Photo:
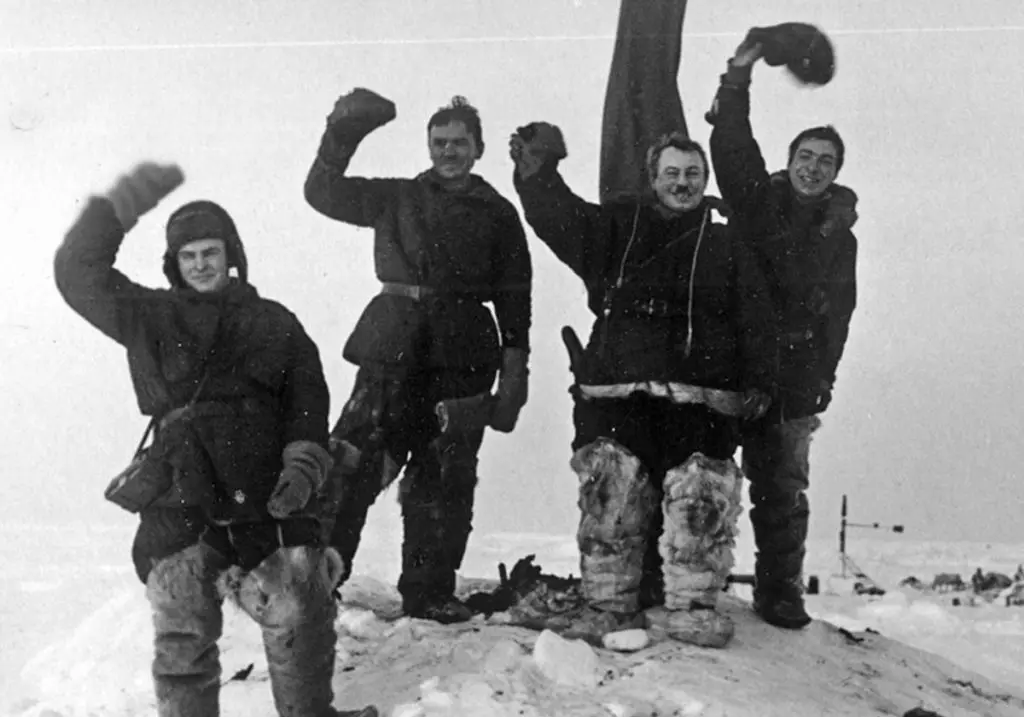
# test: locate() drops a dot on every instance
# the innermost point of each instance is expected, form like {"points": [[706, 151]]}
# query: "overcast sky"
{"points": [[924, 428]]}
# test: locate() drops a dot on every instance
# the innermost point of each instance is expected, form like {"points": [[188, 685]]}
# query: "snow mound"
{"points": [[412, 668]]}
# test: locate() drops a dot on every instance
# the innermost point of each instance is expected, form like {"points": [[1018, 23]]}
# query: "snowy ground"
{"points": [[76, 641]]}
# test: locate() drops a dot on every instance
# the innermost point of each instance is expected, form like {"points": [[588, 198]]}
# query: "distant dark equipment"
{"points": [[865, 585]]}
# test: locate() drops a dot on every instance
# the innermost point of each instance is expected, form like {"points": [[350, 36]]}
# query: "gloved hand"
{"points": [[536, 146], [305, 470], [141, 189], [361, 111], [513, 389], [749, 51], [804, 49]]}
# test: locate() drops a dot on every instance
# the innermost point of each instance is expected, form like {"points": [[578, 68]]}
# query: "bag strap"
{"points": [[154, 421], [149, 429], [199, 388]]}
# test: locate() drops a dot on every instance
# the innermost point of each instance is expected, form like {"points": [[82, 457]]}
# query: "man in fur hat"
{"points": [[445, 244], [237, 393]]}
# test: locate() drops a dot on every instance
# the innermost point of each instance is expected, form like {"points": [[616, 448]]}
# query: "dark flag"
{"points": [[642, 99]]}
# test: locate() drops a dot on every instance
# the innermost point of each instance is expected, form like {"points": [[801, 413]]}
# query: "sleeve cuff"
{"points": [[736, 76]]}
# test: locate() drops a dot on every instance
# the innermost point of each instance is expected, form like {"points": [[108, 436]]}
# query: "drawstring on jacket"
{"points": [[688, 348], [693, 273]]}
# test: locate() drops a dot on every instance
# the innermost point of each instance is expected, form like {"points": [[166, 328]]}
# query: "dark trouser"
{"points": [[662, 435], [776, 461], [391, 420]]}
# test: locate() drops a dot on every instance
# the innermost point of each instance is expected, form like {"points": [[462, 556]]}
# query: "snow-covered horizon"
{"points": [[76, 627]]}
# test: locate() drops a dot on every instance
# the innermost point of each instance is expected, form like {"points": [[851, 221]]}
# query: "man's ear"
{"points": [[479, 150]]}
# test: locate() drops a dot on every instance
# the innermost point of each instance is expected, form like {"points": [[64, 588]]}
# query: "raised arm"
{"points": [[353, 200], [559, 218], [735, 154], [84, 263]]}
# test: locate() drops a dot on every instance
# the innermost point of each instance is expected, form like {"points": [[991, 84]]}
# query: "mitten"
{"points": [[305, 470], [536, 146], [513, 389], [140, 190], [360, 112]]}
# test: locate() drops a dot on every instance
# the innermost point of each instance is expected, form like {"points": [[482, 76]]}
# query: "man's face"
{"points": [[204, 264], [813, 167], [681, 179], [453, 151]]}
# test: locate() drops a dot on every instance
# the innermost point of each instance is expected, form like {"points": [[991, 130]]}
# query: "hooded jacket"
{"points": [[811, 271], [265, 387], [675, 300], [463, 248]]}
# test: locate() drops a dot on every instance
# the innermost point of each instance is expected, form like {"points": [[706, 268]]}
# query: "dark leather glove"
{"points": [[360, 112], [305, 470], [141, 189], [513, 390], [536, 146]]}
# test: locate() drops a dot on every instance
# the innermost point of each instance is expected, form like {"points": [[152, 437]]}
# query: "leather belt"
{"points": [[415, 292]]}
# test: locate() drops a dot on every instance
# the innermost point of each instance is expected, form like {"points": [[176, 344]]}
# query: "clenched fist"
{"points": [[534, 146], [362, 109]]}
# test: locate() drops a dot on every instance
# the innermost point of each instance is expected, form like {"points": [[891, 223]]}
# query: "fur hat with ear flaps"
{"points": [[202, 220]]}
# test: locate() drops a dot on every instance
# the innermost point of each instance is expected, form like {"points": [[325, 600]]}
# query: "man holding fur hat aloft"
{"points": [[228, 492], [797, 222], [445, 244]]}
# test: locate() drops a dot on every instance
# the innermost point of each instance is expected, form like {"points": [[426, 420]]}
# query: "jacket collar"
{"points": [[236, 292], [478, 187]]}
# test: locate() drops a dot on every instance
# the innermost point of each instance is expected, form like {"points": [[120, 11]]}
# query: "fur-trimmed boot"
{"points": [[616, 501], [700, 509], [187, 621], [289, 596]]}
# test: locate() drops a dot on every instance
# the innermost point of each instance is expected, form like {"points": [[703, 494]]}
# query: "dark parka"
{"points": [[641, 328], [465, 247], [811, 275], [266, 382]]}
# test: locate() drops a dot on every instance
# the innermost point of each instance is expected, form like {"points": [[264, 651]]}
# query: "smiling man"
{"points": [[445, 244], [203, 264], [679, 353], [798, 223], [229, 496]]}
